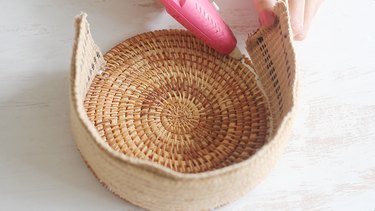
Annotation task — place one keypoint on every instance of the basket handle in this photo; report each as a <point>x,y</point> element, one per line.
<point>87,59</point>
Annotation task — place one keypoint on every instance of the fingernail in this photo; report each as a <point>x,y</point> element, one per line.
<point>299,37</point>
<point>267,18</point>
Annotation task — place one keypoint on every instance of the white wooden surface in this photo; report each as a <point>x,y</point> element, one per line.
<point>329,163</point>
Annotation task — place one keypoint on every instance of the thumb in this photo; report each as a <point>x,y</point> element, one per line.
<point>264,8</point>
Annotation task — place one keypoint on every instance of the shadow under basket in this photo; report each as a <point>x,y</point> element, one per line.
<point>167,123</point>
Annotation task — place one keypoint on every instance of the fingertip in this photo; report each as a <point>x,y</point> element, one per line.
<point>297,29</point>
<point>299,37</point>
<point>264,8</point>
<point>267,18</point>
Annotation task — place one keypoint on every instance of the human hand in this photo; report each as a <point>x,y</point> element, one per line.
<point>301,14</point>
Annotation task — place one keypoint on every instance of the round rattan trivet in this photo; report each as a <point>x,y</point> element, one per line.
<point>168,98</point>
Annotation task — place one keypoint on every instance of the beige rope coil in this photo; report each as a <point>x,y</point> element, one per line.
<point>167,123</point>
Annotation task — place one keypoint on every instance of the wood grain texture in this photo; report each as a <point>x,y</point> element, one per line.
<point>329,163</point>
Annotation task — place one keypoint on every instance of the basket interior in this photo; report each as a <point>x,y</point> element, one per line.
<point>166,97</point>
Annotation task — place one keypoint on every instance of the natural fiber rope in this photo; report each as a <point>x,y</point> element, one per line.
<point>147,183</point>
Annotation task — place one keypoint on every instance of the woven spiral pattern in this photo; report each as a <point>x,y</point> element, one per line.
<point>166,97</point>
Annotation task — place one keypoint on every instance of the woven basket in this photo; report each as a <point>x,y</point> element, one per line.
<point>167,123</point>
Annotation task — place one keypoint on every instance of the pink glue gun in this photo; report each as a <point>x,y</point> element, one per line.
<point>202,19</point>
